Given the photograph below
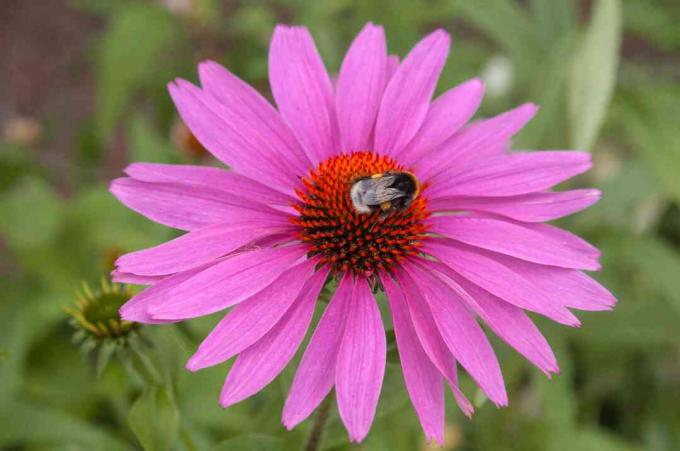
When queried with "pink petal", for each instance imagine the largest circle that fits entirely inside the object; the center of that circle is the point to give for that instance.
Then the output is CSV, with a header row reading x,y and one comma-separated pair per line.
x,y
184,207
462,335
424,382
408,93
536,243
446,115
225,284
392,66
360,87
303,91
430,338
316,374
511,175
275,137
361,362
535,207
232,139
481,139
508,322
259,364
567,287
134,279
197,247
251,319
136,308
227,182
489,273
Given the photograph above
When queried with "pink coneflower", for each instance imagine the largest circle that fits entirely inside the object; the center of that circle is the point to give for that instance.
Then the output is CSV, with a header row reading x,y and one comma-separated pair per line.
x,y
466,243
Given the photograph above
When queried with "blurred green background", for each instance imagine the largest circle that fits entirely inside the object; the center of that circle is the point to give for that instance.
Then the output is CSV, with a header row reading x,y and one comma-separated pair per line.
x,y
82,93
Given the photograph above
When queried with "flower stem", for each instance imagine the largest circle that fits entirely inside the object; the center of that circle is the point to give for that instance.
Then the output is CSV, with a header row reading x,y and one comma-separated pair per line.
x,y
314,441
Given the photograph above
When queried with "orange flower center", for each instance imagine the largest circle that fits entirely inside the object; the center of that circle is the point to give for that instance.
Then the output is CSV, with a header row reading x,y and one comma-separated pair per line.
x,y
346,239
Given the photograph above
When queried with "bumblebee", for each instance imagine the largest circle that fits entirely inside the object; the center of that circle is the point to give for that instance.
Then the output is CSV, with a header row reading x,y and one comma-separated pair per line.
x,y
384,192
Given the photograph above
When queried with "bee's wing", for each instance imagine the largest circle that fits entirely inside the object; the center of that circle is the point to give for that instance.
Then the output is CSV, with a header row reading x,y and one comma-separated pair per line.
x,y
381,191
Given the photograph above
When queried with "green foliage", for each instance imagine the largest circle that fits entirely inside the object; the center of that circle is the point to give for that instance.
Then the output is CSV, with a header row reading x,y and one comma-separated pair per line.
x,y
30,227
252,442
36,425
59,225
593,73
154,419
647,113
133,53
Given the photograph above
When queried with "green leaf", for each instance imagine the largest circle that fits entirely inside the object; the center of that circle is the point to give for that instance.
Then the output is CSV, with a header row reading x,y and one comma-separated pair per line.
x,y
30,214
509,25
660,264
639,272
554,18
22,423
250,442
592,439
479,399
107,224
130,55
646,119
502,20
593,73
154,419
655,21
624,197
104,354
557,395
548,90
147,144
170,353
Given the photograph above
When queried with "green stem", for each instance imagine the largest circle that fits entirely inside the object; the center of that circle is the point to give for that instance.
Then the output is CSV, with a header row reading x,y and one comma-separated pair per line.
x,y
314,442
185,436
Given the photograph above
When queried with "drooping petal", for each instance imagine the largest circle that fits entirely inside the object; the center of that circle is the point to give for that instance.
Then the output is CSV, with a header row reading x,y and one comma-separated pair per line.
x,y
568,287
235,95
136,308
197,247
511,175
424,382
228,136
446,115
535,207
392,66
360,87
462,335
251,319
510,323
486,271
225,284
303,91
184,207
134,279
536,243
479,140
408,93
230,183
431,339
361,362
315,376
260,363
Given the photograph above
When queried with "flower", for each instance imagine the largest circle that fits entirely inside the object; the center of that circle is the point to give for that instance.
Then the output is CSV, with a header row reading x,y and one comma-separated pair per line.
x,y
98,328
265,237
94,313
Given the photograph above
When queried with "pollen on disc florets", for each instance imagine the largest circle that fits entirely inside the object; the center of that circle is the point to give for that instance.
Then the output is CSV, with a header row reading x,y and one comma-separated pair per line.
x,y
346,239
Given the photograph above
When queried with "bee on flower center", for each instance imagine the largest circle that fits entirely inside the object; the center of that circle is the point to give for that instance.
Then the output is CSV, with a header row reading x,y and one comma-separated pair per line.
x,y
384,192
